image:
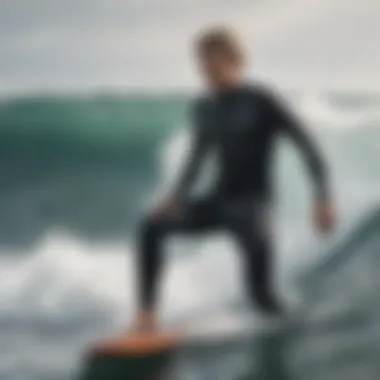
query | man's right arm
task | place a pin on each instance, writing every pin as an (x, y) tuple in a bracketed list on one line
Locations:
[(198, 147)]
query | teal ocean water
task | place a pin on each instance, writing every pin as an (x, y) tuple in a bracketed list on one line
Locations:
[(77, 171)]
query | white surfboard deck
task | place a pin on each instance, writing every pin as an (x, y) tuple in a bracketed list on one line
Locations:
[(219, 330), (226, 327)]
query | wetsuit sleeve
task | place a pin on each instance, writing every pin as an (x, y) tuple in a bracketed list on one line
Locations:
[(286, 121), (198, 147)]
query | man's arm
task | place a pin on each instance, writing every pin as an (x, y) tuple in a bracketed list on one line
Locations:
[(286, 121), (199, 146)]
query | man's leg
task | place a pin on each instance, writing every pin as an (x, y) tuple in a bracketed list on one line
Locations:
[(249, 221), (197, 216)]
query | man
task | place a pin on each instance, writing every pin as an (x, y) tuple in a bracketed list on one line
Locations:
[(241, 123)]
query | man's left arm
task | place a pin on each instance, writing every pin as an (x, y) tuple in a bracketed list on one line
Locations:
[(287, 121)]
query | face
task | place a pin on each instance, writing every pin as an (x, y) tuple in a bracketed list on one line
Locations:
[(218, 70)]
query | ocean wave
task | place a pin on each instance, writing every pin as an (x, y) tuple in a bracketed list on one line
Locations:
[(75, 174), (107, 126), (339, 112)]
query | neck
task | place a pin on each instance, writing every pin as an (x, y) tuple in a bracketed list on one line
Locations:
[(229, 85)]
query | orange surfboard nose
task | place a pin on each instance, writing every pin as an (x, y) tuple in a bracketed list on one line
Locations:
[(137, 344)]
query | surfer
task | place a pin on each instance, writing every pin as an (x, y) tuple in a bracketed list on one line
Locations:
[(240, 121)]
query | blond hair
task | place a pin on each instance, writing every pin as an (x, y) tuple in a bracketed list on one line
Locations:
[(223, 39)]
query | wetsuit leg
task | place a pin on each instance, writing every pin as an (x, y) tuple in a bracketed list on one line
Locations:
[(249, 222), (198, 216)]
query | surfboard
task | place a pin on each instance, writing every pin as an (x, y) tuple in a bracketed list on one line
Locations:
[(147, 353), (211, 330), (138, 344)]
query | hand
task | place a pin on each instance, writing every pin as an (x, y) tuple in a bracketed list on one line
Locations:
[(169, 206), (325, 216)]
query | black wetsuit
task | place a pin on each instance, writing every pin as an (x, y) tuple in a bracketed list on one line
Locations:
[(241, 125)]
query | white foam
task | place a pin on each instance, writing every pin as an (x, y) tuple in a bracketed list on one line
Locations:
[(64, 280), (321, 114), (60, 272)]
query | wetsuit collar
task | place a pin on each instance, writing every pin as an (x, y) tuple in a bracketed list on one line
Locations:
[(230, 91)]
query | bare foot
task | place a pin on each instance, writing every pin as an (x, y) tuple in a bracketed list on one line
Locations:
[(144, 338), (146, 322)]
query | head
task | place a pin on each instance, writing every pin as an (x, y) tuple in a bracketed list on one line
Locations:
[(221, 58)]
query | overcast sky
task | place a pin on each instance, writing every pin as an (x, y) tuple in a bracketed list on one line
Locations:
[(128, 44)]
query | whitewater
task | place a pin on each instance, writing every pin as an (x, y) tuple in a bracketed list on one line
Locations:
[(76, 173)]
